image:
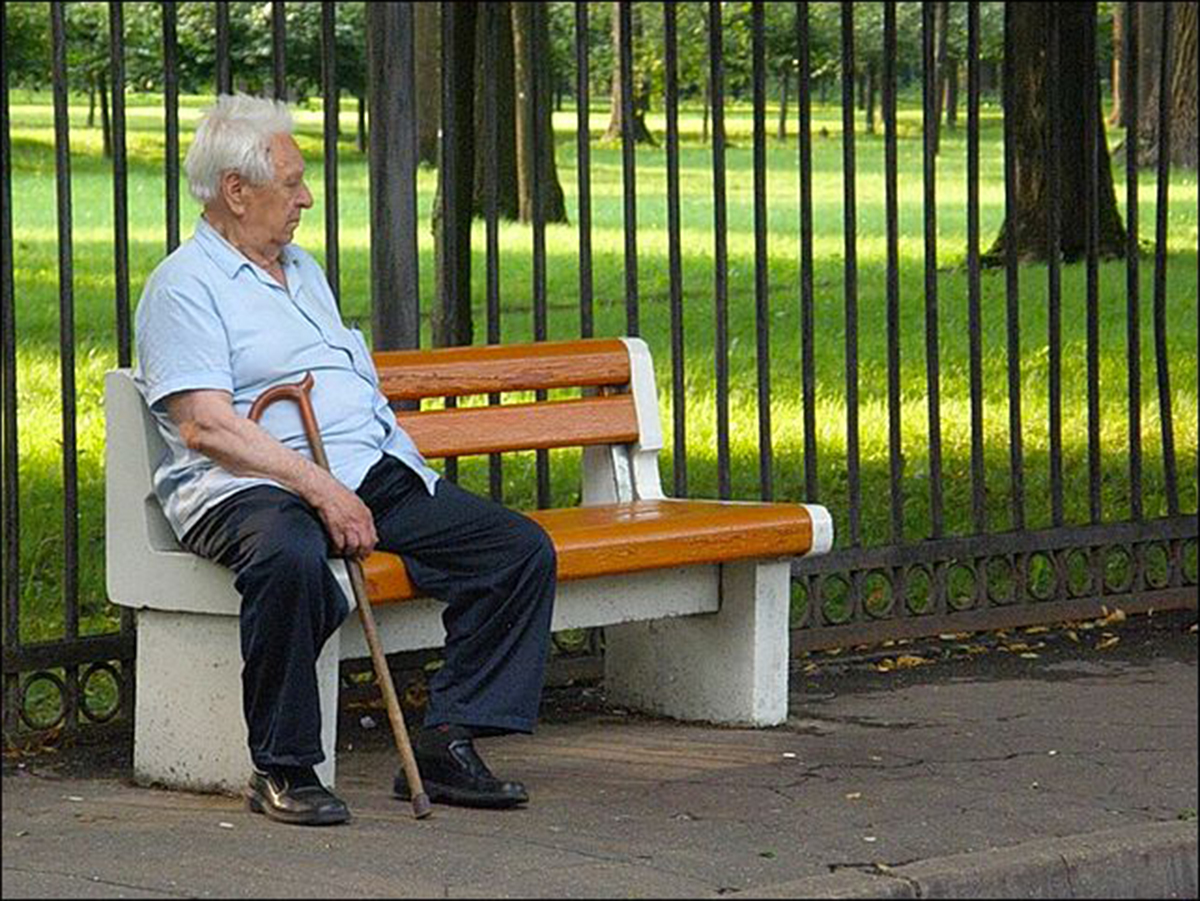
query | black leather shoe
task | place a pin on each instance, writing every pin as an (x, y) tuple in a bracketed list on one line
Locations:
[(303, 805), (453, 773)]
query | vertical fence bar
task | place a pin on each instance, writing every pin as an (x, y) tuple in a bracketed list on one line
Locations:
[(1053, 269), (1092, 143), (762, 303), (1133, 335), (1160, 266), (807, 359), (850, 276), (279, 49), (491, 135), (538, 97), (674, 254), (974, 312), (66, 351), (583, 145), (452, 278), (8, 403), (628, 165), (392, 160), (1012, 292), (716, 56), (932, 369), (224, 68), (331, 102), (171, 109), (891, 162), (116, 30)]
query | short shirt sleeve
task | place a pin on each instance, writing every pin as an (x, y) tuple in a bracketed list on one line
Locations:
[(182, 342)]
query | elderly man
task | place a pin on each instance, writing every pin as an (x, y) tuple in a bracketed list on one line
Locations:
[(234, 311)]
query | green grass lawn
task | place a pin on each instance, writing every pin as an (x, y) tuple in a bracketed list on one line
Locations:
[(36, 268)]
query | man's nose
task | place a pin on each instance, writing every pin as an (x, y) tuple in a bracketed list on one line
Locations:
[(306, 198)]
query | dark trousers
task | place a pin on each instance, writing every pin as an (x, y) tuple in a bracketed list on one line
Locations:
[(493, 567)]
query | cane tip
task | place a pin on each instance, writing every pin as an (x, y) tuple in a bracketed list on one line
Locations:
[(421, 806)]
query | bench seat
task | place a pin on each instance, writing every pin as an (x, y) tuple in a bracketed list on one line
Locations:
[(619, 538)]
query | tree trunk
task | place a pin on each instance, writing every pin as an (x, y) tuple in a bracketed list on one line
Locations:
[(105, 121), (1182, 103), (531, 50), (499, 15), (427, 44), (640, 91), (952, 92), (989, 79), (450, 321), (360, 137), (871, 96), (91, 119), (1117, 115), (707, 108), (941, 12), (785, 84), (1028, 117), (1149, 50)]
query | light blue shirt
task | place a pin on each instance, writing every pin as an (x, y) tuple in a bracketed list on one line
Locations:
[(211, 319)]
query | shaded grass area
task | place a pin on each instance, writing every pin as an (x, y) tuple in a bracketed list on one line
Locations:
[(38, 327)]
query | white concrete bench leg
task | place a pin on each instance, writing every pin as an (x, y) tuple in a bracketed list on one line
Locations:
[(728, 667), (190, 732)]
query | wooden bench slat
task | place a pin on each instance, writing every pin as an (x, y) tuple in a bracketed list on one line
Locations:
[(464, 431), (617, 538), (461, 371)]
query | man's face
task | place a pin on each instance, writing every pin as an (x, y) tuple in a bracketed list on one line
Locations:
[(273, 209)]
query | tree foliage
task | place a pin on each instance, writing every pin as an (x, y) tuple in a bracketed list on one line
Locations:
[(27, 51)]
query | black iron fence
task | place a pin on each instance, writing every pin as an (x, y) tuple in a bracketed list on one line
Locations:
[(895, 582)]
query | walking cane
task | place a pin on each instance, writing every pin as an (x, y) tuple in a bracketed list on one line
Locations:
[(298, 392)]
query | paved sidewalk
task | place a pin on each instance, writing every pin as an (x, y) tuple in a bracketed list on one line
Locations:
[(1069, 772)]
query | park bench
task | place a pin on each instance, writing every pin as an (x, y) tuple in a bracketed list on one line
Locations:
[(694, 594)]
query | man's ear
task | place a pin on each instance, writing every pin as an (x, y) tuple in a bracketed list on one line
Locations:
[(233, 192)]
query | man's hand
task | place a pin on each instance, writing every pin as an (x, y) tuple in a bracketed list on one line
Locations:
[(347, 519)]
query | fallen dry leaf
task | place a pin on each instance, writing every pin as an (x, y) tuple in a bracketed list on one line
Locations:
[(1107, 642), (1112, 618), (904, 661)]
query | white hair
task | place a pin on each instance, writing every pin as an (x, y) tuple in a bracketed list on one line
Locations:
[(235, 136)]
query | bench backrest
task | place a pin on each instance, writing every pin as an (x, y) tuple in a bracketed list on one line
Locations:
[(607, 416), (616, 420)]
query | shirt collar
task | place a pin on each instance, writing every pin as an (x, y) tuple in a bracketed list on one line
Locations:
[(228, 258)]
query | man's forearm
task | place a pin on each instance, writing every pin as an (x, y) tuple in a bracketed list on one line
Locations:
[(243, 448)]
